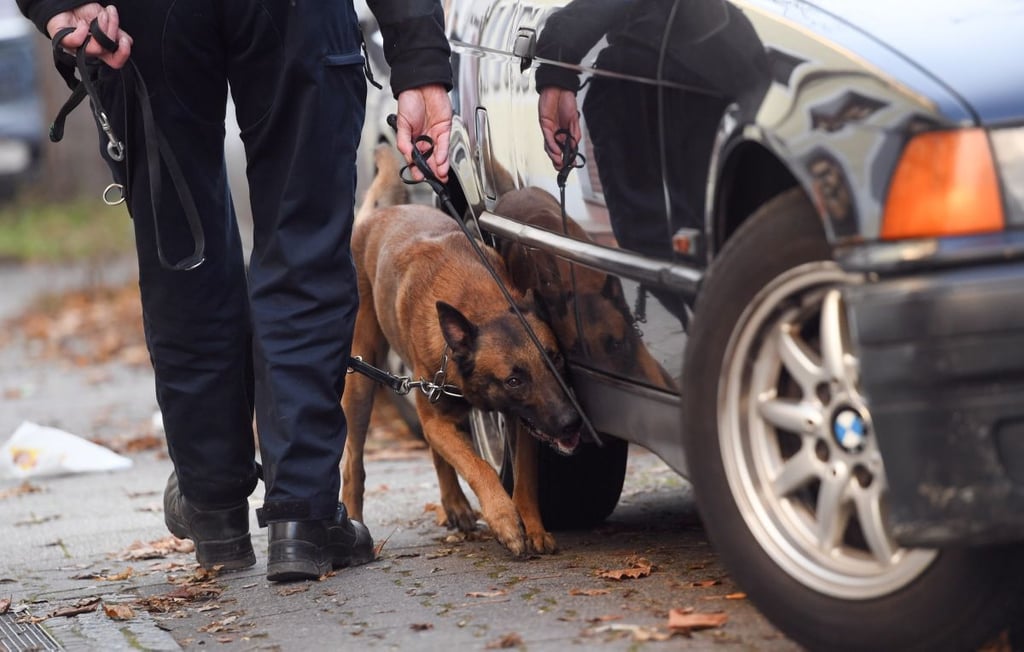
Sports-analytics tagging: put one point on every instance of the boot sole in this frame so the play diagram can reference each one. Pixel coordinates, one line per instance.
(291, 560)
(229, 554)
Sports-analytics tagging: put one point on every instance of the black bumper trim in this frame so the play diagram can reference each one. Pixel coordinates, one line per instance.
(942, 365)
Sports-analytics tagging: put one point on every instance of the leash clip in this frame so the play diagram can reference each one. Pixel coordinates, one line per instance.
(115, 148)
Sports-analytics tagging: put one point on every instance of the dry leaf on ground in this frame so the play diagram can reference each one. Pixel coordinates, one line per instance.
(157, 549)
(507, 641)
(688, 619)
(118, 611)
(486, 594)
(637, 567)
(80, 607)
(21, 490)
(590, 592)
(421, 627)
(5, 605)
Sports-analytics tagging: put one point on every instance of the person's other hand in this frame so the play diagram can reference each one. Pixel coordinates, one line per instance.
(79, 18)
(425, 111)
(556, 110)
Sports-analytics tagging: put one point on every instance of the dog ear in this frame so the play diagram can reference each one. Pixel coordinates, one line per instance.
(458, 332)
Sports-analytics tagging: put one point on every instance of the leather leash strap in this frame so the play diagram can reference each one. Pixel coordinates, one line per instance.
(158, 150)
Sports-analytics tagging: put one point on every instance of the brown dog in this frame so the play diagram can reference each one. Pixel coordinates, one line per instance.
(426, 295)
(610, 339)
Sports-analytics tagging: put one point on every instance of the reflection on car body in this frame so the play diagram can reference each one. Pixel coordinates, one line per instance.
(838, 201)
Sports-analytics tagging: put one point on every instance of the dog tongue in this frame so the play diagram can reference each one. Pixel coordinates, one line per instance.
(568, 446)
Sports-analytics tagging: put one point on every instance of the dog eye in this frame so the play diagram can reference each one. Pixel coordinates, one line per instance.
(512, 382)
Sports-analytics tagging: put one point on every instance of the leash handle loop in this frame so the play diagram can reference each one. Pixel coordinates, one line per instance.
(571, 157)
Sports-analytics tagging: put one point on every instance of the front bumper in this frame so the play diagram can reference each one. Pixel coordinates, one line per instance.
(942, 365)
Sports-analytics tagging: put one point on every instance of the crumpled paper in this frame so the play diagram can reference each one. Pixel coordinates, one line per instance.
(34, 450)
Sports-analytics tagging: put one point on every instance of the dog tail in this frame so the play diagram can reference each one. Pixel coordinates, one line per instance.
(387, 188)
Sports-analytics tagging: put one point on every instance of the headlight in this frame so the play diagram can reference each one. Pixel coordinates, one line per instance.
(1009, 150)
(944, 184)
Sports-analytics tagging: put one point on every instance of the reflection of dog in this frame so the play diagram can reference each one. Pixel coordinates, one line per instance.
(610, 340)
(425, 294)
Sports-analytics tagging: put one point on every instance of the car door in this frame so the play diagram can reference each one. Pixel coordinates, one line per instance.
(606, 54)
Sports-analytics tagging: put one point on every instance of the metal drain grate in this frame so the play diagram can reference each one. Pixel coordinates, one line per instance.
(22, 637)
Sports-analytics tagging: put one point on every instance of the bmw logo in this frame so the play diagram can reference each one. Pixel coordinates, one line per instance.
(849, 429)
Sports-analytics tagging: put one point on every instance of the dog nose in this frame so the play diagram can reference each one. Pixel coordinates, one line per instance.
(571, 423)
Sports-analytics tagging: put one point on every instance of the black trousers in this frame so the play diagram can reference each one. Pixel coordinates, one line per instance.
(277, 342)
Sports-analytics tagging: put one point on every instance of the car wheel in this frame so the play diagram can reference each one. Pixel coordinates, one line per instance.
(576, 491)
(788, 477)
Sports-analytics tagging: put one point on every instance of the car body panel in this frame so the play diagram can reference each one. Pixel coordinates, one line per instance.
(694, 113)
(942, 42)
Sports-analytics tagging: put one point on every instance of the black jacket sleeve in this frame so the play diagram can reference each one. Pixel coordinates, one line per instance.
(415, 44)
(41, 11)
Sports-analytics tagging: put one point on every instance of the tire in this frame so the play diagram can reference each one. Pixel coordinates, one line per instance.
(796, 515)
(577, 491)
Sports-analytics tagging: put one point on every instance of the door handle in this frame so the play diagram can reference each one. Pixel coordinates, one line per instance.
(525, 46)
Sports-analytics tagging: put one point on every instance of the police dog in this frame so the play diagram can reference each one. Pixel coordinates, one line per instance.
(610, 339)
(425, 294)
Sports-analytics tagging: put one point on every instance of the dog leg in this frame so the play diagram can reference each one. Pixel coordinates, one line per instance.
(524, 495)
(498, 510)
(357, 404)
(458, 511)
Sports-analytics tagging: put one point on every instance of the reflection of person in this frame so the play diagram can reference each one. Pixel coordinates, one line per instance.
(278, 342)
(652, 173)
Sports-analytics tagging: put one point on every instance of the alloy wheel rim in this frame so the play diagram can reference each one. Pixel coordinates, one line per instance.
(798, 446)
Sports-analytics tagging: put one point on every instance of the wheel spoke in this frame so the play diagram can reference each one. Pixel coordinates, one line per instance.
(832, 352)
(872, 525)
(792, 416)
(800, 361)
(831, 511)
(797, 472)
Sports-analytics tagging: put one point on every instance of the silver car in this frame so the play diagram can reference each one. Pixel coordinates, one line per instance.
(790, 265)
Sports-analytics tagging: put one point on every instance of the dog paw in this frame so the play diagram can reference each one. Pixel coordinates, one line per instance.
(542, 542)
(510, 533)
(461, 517)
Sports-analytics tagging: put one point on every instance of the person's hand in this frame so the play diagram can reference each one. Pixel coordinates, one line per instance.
(109, 23)
(425, 111)
(557, 109)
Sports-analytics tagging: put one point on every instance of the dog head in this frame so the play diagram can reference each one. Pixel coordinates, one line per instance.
(502, 370)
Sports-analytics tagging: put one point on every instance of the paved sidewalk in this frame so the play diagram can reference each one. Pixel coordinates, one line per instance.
(79, 543)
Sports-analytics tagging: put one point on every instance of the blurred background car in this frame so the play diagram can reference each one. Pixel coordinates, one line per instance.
(21, 109)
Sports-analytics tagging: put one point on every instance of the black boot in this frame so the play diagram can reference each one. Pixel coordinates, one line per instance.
(307, 550)
(221, 536)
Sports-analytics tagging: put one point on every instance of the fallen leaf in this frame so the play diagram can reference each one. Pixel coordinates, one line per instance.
(507, 641)
(292, 590)
(639, 633)
(222, 625)
(36, 520)
(604, 619)
(80, 607)
(117, 577)
(5, 605)
(736, 596)
(421, 627)
(157, 549)
(690, 620)
(22, 489)
(118, 611)
(703, 584)
(590, 592)
(486, 594)
(637, 567)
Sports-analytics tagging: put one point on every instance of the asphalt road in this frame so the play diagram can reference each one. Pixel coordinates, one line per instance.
(95, 544)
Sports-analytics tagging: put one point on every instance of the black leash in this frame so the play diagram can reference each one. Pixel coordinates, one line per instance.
(419, 158)
(157, 148)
